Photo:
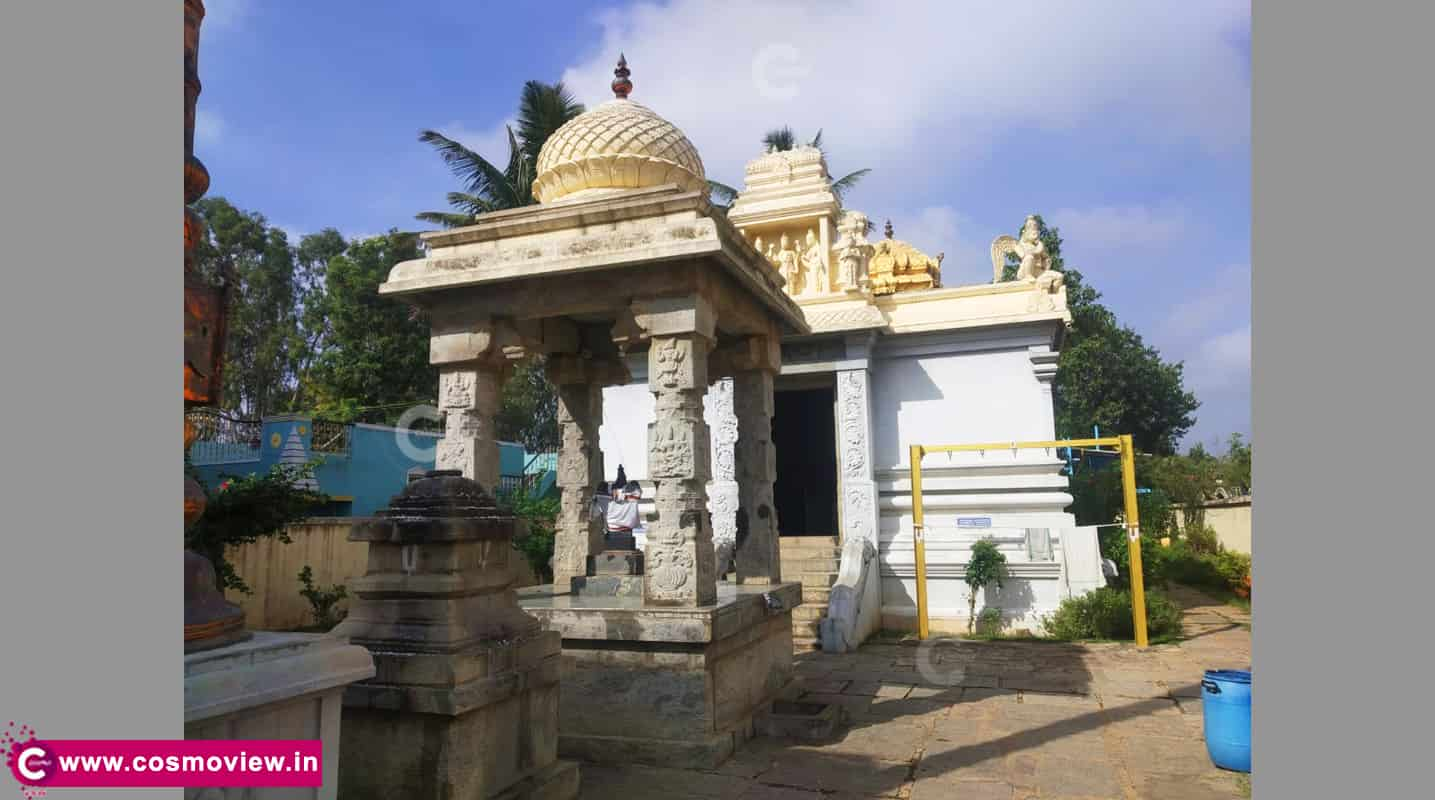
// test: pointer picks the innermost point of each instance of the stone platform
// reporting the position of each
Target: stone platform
(290, 682)
(667, 685)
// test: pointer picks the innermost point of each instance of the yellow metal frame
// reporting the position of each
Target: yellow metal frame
(1128, 490)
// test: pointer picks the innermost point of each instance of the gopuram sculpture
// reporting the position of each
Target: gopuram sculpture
(853, 251)
(814, 266)
(896, 266)
(1035, 263)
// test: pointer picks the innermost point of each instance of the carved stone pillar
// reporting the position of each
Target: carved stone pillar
(679, 561)
(859, 490)
(472, 369)
(580, 467)
(469, 396)
(723, 490)
(758, 561)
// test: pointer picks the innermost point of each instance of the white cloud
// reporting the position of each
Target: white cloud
(208, 128)
(1222, 362)
(1111, 227)
(1228, 293)
(937, 82)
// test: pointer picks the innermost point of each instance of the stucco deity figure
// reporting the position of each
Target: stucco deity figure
(852, 250)
(789, 264)
(814, 265)
(1035, 260)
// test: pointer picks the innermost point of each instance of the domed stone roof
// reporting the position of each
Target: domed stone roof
(617, 145)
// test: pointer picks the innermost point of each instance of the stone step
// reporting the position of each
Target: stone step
(785, 543)
(811, 552)
(804, 644)
(801, 565)
(816, 595)
(806, 613)
(814, 579)
(805, 629)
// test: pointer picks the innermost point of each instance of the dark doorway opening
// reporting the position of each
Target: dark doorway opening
(804, 432)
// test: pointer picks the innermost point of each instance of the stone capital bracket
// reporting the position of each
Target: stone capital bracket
(674, 316)
(744, 355)
(578, 368)
(495, 343)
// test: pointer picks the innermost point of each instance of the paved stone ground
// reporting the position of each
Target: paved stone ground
(977, 720)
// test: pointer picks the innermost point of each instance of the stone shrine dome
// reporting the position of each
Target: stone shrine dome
(617, 145)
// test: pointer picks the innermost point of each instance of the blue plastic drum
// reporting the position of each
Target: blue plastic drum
(1226, 706)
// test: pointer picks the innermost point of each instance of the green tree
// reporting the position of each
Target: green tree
(529, 414)
(375, 349)
(312, 256)
(1108, 376)
(542, 109)
(263, 347)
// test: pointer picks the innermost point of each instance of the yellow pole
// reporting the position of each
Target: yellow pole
(1133, 537)
(920, 543)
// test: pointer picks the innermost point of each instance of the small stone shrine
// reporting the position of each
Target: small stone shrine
(624, 257)
(465, 700)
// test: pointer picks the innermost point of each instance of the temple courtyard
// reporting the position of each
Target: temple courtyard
(972, 720)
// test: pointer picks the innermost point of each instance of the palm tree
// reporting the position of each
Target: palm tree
(542, 109)
(783, 138)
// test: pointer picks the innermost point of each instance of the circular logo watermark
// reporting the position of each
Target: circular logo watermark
(777, 69)
(422, 448)
(937, 662)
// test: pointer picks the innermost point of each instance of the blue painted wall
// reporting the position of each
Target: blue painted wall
(361, 480)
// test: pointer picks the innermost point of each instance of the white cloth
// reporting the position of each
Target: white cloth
(623, 515)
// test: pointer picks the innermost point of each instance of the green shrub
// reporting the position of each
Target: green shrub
(1106, 614)
(985, 567)
(1202, 539)
(989, 623)
(322, 601)
(245, 509)
(1114, 545)
(537, 532)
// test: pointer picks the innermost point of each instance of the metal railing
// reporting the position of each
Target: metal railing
(329, 437)
(220, 438)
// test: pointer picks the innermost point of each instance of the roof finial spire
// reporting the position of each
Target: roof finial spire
(621, 84)
(888, 229)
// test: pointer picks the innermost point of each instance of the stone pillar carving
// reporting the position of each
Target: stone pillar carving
(859, 490)
(679, 568)
(757, 556)
(469, 396)
(723, 490)
(580, 467)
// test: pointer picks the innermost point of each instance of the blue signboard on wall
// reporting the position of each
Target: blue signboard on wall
(974, 522)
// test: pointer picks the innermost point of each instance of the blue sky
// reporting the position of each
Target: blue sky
(1126, 124)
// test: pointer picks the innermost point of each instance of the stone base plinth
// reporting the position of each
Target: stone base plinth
(273, 686)
(491, 737)
(663, 685)
(609, 586)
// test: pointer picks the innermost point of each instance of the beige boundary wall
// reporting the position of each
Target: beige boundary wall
(271, 568)
(1231, 520)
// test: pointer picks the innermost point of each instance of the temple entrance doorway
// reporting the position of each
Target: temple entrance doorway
(804, 431)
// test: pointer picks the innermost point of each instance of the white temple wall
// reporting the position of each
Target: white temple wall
(966, 388)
